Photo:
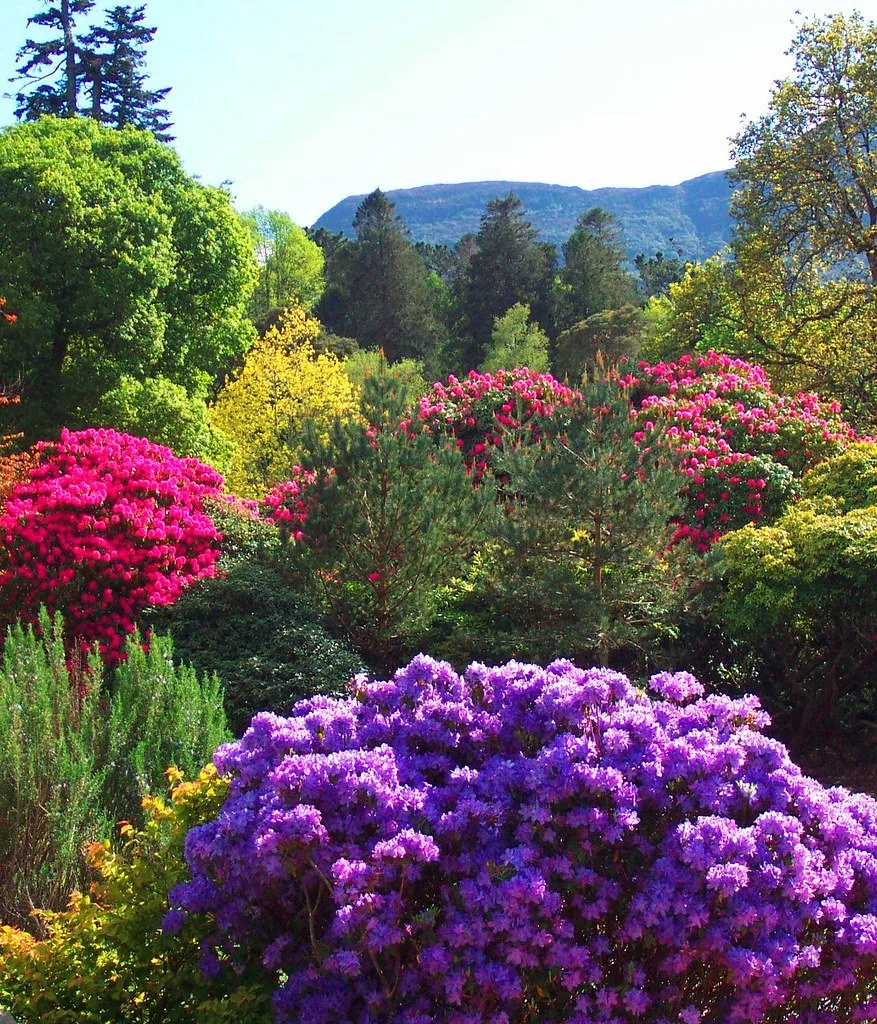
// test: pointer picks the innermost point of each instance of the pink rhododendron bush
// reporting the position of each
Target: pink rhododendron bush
(738, 445)
(480, 408)
(741, 444)
(105, 525)
(525, 844)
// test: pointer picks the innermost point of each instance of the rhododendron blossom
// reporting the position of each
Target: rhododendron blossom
(105, 525)
(523, 844)
(742, 445)
(480, 408)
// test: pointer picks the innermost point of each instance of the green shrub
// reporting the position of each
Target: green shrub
(52, 735)
(79, 750)
(106, 960)
(265, 641)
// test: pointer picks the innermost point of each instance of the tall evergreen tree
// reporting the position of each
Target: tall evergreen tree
(113, 56)
(509, 265)
(99, 74)
(377, 285)
(51, 66)
(593, 277)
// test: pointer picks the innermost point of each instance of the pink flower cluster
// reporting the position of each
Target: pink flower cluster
(477, 409)
(285, 504)
(105, 525)
(741, 444)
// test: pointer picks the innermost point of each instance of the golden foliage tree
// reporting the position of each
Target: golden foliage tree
(282, 381)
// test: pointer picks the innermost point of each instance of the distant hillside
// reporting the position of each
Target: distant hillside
(694, 214)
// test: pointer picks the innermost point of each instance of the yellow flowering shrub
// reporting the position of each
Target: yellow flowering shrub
(282, 381)
(106, 959)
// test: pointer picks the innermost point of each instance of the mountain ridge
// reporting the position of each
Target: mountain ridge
(692, 215)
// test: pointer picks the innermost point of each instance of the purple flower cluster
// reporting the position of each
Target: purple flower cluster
(527, 844)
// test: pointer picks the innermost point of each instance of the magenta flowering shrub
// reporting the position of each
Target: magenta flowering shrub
(286, 504)
(105, 525)
(525, 844)
(741, 444)
(478, 409)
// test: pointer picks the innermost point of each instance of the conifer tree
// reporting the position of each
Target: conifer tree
(113, 56)
(509, 265)
(54, 63)
(588, 518)
(99, 73)
(377, 284)
(391, 518)
(593, 277)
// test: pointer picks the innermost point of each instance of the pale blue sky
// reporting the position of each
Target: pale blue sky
(299, 104)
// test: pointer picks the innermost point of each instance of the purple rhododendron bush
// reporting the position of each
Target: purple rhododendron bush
(526, 844)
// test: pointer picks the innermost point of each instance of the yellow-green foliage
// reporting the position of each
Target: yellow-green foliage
(516, 342)
(106, 959)
(850, 478)
(817, 561)
(282, 381)
(360, 366)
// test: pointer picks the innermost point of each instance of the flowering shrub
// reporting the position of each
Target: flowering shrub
(286, 506)
(105, 958)
(105, 525)
(742, 445)
(477, 409)
(526, 844)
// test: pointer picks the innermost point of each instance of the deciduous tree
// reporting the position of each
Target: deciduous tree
(118, 264)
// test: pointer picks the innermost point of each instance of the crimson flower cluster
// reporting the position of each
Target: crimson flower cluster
(478, 409)
(742, 445)
(523, 844)
(286, 504)
(105, 525)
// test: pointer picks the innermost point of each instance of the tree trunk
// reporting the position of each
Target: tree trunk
(70, 58)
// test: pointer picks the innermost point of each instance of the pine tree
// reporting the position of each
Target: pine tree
(593, 277)
(106, 64)
(391, 518)
(378, 283)
(588, 518)
(112, 58)
(509, 265)
(44, 61)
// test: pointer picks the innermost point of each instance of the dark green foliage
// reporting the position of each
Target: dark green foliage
(658, 272)
(611, 335)
(509, 265)
(265, 641)
(112, 57)
(106, 63)
(376, 286)
(580, 567)
(592, 277)
(395, 519)
(58, 56)
(79, 750)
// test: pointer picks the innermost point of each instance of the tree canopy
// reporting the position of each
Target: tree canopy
(593, 277)
(117, 264)
(290, 264)
(508, 265)
(377, 285)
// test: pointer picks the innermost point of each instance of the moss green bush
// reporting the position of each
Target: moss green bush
(265, 641)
